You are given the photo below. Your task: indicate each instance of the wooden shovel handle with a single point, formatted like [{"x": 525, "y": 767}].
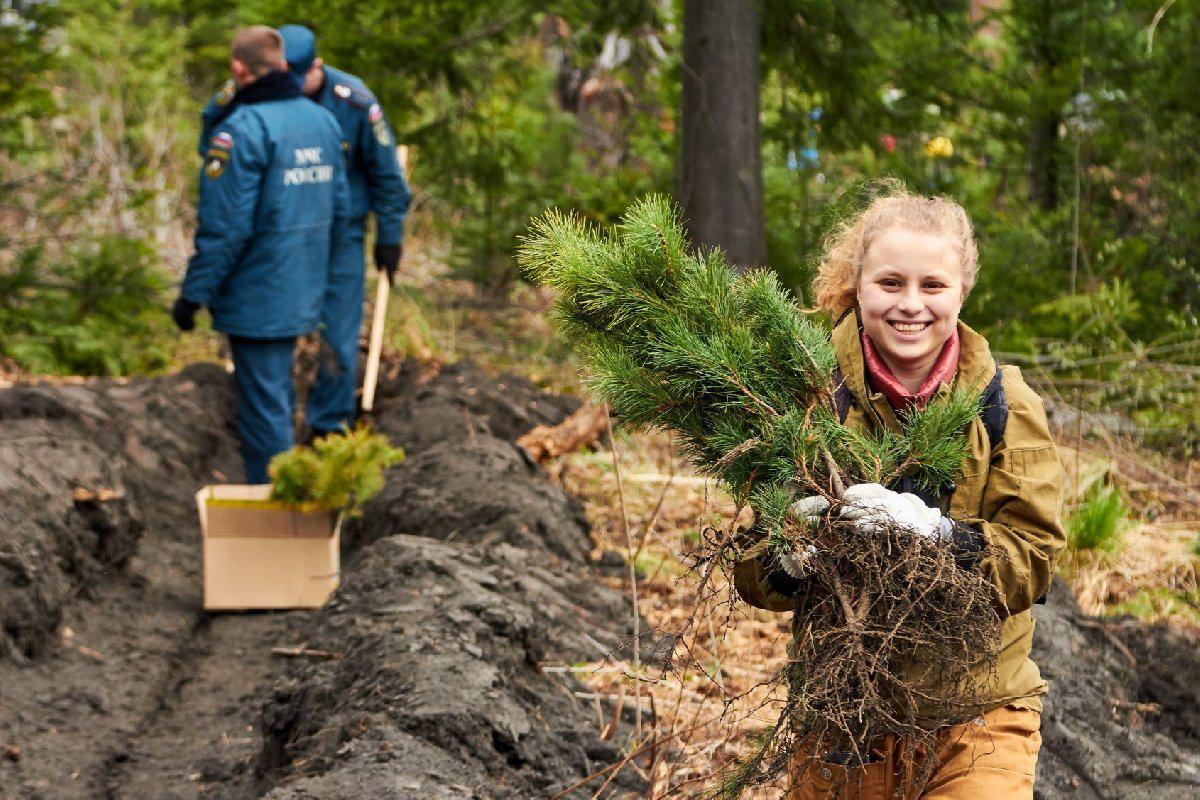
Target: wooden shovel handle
[{"x": 382, "y": 292}]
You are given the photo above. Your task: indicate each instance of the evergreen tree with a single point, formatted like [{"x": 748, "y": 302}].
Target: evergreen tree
[
  {"x": 338, "y": 472},
  {"x": 28, "y": 58}
]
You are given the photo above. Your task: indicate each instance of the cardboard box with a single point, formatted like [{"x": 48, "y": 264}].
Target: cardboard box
[{"x": 259, "y": 554}]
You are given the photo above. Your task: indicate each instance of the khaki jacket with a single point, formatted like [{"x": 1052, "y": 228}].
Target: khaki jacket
[{"x": 1011, "y": 491}]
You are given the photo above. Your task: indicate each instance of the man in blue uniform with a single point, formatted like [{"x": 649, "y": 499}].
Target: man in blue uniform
[
  {"x": 274, "y": 214},
  {"x": 376, "y": 184}
]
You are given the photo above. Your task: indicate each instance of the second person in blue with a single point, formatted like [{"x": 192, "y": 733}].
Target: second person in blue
[
  {"x": 274, "y": 214},
  {"x": 377, "y": 184}
]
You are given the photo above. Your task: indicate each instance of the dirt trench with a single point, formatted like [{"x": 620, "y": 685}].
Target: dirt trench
[
  {"x": 465, "y": 576},
  {"x": 461, "y": 580}
]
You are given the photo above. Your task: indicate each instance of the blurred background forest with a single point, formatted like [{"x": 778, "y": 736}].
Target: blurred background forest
[{"x": 1067, "y": 129}]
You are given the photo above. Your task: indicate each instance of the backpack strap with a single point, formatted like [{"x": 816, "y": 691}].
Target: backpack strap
[
  {"x": 842, "y": 397},
  {"x": 994, "y": 409}
]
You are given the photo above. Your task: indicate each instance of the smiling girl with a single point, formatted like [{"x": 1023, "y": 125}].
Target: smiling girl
[{"x": 895, "y": 278}]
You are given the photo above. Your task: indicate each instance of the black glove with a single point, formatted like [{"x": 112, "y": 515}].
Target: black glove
[
  {"x": 184, "y": 314},
  {"x": 387, "y": 259}
]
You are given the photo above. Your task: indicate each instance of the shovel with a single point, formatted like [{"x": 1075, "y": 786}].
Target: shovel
[{"x": 382, "y": 291}]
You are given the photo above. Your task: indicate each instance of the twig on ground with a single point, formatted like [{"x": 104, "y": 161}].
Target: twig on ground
[
  {"x": 302, "y": 651},
  {"x": 637, "y": 633},
  {"x": 662, "y": 496},
  {"x": 653, "y": 742},
  {"x": 470, "y": 424},
  {"x": 1097, "y": 625}
]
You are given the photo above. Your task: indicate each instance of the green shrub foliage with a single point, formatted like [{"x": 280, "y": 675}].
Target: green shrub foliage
[
  {"x": 338, "y": 472},
  {"x": 100, "y": 309},
  {"x": 1099, "y": 522}
]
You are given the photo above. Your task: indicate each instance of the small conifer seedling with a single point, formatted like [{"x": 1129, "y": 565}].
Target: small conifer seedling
[{"x": 338, "y": 472}]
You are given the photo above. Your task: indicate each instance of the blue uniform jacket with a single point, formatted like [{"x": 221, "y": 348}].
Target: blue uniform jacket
[
  {"x": 274, "y": 212},
  {"x": 376, "y": 181}
]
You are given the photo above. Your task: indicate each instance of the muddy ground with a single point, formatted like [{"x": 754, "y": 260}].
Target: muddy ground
[
  {"x": 460, "y": 582},
  {"x": 1122, "y": 719}
]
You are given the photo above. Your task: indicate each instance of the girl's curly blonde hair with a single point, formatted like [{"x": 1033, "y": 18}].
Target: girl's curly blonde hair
[{"x": 836, "y": 284}]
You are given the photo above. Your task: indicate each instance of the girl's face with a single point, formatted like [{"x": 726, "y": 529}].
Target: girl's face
[{"x": 910, "y": 293}]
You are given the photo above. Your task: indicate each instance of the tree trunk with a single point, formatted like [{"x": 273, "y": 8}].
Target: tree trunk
[
  {"x": 719, "y": 174},
  {"x": 1047, "y": 53},
  {"x": 1043, "y": 161}
]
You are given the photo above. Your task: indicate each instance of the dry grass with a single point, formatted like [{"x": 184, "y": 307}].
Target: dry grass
[
  {"x": 1154, "y": 573},
  {"x": 698, "y": 717},
  {"x": 699, "y": 720}
]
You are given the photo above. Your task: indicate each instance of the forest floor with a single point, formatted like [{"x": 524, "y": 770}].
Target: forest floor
[
  {"x": 481, "y": 642},
  {"x": 666, "y": 507}
]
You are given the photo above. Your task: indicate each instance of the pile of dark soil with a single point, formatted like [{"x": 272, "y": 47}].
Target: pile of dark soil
[
  {"x": 463, "y": 404},
  {"x": 439, "y": 678},
  {"x": 482, "y": 491},
  {"x": 83, "y": 468},
  {"x": 424, "y": 677},
  {"x": 461, "y": 580},
  {"x": 1121, "y": 719},
  {"x": 437, "y": 690},
  {"x": 99, "y": 572}
]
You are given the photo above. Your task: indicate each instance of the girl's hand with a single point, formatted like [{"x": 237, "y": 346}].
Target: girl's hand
[
  {"x": 871, "y": 507},
  {"x": 810, "y": 507},
  {"x": 795, "y": 561}
]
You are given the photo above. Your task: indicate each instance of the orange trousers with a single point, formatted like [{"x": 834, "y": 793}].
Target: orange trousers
[{"x": 992, "y": 757}]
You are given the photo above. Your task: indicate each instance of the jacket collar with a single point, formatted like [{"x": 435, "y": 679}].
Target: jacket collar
[
  {"x": 881, "y": 377},
  {"x": 976, "y": 367},
  {"x": 278, "y": 85}
]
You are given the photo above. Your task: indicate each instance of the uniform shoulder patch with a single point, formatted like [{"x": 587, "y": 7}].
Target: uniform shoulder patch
[
  {"x": 354, "y": 95},
  {"x": 219, "y": 148},
  {"x": 214, "y": 162},
  {"x": 382, "y": 134},
  {"x": 226, "y": 94}
]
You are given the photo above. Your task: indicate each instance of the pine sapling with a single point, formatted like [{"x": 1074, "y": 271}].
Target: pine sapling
[
  {"x": 674, "y": 340},
  {"x": 338, "y": 472}
]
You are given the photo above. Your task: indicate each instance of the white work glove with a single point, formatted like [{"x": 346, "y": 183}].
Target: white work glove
[
  {"x": 871, "y": 507},
  {"x": 795, "y": 562}
]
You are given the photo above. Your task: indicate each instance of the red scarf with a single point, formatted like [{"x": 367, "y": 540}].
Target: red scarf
[{"x": 884, "y": 381}]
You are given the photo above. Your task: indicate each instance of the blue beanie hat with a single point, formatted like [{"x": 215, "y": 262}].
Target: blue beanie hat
[{"x": 299, "y": 47}]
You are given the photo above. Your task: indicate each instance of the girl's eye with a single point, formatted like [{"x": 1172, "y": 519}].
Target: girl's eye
[
  {"x": 935, "y": 285},
  {"x": 889, "y": 283}
]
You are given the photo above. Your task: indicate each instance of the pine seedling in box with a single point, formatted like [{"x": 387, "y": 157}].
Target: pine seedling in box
[
  {"x": 338, "y": 472},
  {"x": 674, "y": 340}
]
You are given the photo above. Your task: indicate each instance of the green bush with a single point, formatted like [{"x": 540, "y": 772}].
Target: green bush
[
  {"x": 99, "y": 309},
  {"x": 1099, "y": 522},
  {"x": 340, "y": 471},
  {"x": 515, "y": 153}
]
